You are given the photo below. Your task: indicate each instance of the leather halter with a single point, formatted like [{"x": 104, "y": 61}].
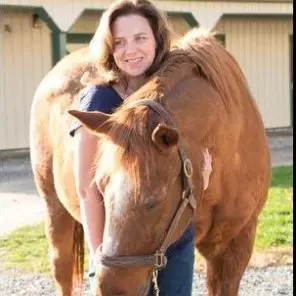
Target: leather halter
[{"x": 158, "y": 260}]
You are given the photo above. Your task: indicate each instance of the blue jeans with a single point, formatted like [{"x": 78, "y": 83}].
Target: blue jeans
[{"x": 177, "y": 277}]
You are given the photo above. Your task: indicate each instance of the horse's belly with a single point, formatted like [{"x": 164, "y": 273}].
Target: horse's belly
[{"x": 65, "y": 183}]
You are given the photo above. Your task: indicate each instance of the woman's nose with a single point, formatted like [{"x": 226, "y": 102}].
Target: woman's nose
[{"x": 131, "y": 48}]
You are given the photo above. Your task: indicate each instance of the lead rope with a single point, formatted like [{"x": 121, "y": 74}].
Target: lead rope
[{"x": 154, "y": 280}]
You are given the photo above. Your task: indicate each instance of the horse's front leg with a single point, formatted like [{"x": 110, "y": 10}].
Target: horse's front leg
[
  {"x": 225, "y": 270},
  {"x": 59, "y": 226}
]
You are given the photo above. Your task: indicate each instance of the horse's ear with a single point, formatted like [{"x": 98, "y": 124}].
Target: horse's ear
[
  {"x": 165, "y": 138},
  {"x": 91, "y": 120}
]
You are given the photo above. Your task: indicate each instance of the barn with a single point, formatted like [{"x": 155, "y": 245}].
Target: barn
[{"x": 35, "y": 34}]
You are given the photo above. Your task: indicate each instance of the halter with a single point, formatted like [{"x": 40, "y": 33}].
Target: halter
[{"x": 158, "y": 260}]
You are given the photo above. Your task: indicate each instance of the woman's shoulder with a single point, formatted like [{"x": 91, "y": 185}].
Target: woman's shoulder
[
  {"x": 99, "y": 98},
  {"x": 97, "y": 90}
]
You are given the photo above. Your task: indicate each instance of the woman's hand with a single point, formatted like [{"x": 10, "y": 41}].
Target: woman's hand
[{"x": 207, "y": 168}]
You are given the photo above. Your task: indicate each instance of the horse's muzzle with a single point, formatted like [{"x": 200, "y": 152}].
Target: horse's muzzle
[
  {"x": 142, "y": 291},
  {"x": 121, "y": 283}
]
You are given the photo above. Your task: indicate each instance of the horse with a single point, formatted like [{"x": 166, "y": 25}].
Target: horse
[{"x": 148, "y": 168}]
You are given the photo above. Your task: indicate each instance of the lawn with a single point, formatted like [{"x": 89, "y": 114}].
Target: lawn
[
  {"x": 276, "y": 220},
  {"x": 26, "y": 247}
]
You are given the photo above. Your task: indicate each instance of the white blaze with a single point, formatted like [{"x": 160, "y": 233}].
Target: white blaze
[{"x": 119, "y": 191}]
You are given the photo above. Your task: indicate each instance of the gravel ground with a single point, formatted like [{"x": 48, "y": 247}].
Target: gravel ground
[{"x": 271, "y": 281}]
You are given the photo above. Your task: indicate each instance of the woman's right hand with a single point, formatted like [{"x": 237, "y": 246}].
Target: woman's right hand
[{"x": 207, "y": 168}]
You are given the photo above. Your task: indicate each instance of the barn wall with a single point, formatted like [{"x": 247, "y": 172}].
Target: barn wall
[
  {"x": 261, "y": 46},
  {"x": 26, "y": 58}
]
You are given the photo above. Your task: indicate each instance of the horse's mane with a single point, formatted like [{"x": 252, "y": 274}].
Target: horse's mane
[
  {"x": 216, "y": 65},
  {"x": 196, "y": 54}
]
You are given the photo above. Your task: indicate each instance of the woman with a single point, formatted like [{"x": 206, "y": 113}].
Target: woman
[{"x": 130, "y": 44}]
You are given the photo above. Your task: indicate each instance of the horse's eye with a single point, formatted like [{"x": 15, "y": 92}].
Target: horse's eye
[{"x": 151, "y": 204}]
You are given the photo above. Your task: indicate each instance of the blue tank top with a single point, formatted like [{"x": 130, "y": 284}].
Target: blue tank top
[{"x": 105, "y": 99}]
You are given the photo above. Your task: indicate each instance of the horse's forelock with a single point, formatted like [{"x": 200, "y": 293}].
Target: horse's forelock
[{"x": 128, "y": 146}]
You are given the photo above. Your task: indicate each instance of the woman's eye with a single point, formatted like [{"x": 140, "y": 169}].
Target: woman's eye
[
  {"x": 140, "y": 38},
  {"x": 118, "y": 43}
]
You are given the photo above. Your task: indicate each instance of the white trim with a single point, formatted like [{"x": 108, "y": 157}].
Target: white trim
[
  {"x": 207, "y": 13},
  {"x": 205, "y": 19},
  {"x": 64, "y": 23}
]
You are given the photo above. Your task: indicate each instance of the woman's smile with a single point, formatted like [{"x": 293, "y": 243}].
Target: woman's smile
[{"x": 134, "y": 61}]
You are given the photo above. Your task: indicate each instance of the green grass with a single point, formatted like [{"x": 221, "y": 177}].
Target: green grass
[
  {"x": 27, "y": 248},
  {"x": 275, "y": 227}
]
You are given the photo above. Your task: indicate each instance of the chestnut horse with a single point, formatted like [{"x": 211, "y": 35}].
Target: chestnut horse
[{"x": 199, "y": 98}]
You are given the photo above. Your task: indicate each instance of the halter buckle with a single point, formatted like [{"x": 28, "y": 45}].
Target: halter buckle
[
  {"x": 160, "y": 260},
  {"x": 187, "y": 167}
]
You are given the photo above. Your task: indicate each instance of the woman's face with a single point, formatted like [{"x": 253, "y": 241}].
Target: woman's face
[{"x": 134, "y": 44}]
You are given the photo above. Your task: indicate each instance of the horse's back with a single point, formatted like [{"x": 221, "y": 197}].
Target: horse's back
[{"x": 50, "y": 143}]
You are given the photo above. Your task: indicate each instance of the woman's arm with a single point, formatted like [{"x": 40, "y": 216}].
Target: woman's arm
[{"x": 91, "y": 203}]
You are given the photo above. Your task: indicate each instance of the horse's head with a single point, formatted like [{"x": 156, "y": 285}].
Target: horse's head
[{"x": 139, "y": 172}]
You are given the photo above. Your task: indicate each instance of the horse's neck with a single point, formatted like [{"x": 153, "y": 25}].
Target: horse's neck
[{"x": 176, "y": 69}]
